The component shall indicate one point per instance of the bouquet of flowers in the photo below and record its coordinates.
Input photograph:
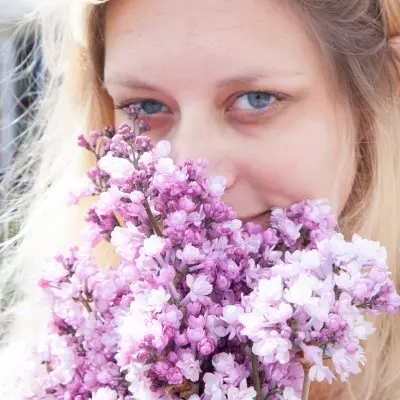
(200, 306)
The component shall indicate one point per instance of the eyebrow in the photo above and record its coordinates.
(135, 83)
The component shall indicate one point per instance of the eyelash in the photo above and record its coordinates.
(279, 97)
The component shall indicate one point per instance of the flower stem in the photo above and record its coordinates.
(152, 220)
(306, 385)
(256, 375)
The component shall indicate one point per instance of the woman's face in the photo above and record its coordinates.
(241, 84)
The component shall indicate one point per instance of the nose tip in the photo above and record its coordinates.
(212, 150)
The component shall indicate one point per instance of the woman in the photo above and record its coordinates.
(287, 99)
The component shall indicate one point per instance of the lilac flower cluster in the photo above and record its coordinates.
(201, 307)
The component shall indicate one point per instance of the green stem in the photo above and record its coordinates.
(256, 375)
(306, 385)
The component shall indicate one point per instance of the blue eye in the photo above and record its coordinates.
(254, 100)
(146, 107)
(151, 107)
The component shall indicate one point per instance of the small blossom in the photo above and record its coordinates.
(127, 241)
(217, 185)
(153, 245)
(189, 254)
(189, 366)
(118, 168)
(105, 394)
(242, 392)
(199, 287)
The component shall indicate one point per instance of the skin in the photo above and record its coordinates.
(200, 61)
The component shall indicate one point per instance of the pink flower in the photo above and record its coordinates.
(189, 366)
(174, 376)
(171, 315)
(106, 290)
(206, 346)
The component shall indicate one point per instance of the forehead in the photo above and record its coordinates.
(218, 35)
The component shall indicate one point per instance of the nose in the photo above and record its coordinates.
(204, 137)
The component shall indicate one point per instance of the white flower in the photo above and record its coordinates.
(157, 299)
(162, 149)
(177, 218)
(127, 241)
(231, 315)
(82, 188)
(216, 185)
(290, 394)
(279, 314)
(312, 354)
(361, 328)
(223, 363)
(53, 271)
(253, 243)
(189, 366)
(165, 166)
(270, 290)
(369, 251)
(153, 245)
(233, 225)
(132, 324)
(117, 168)
(214, 385)
(273, 348)
(189, 254)
(301, 291)
(140, 384)
(241, 393)
(346, 364)
(105, 394)
(200, 288)
(320, 373)
(310, 259)
(108, 199)
(253, 323)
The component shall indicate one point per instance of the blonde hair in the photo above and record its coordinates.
(354, 36)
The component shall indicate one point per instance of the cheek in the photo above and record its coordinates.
(310, 163)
